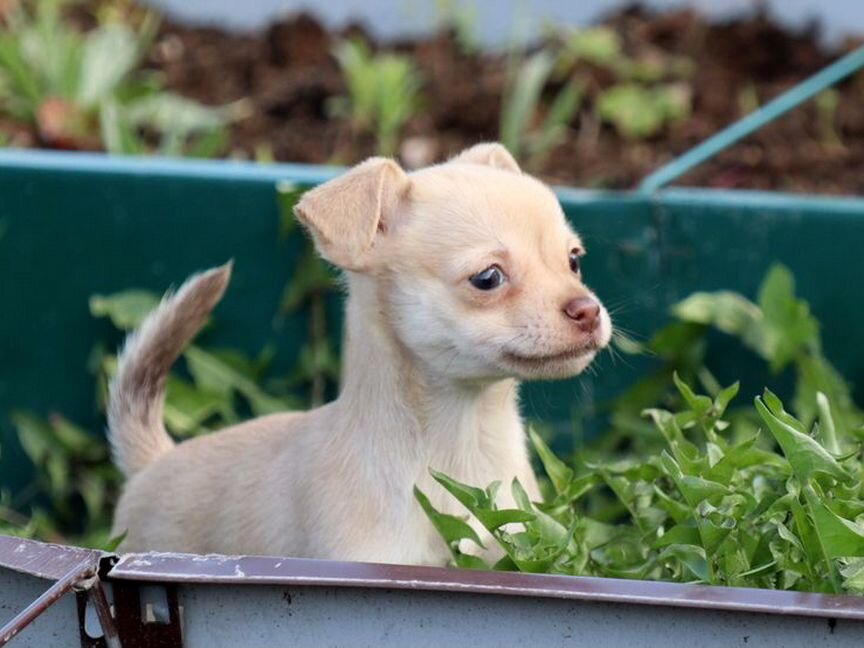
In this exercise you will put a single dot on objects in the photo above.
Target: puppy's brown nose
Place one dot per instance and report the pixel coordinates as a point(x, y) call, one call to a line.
point(585, 312)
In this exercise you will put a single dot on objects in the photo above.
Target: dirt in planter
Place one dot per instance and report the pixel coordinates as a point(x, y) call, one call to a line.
point(285, 75)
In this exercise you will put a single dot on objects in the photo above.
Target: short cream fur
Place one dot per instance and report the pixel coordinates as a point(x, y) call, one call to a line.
point(431, 366)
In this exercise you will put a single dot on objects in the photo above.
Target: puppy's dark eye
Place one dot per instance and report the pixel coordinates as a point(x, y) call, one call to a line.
point(488, 279)
point(575, 262)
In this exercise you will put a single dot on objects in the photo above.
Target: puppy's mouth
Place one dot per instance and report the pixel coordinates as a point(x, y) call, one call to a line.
point(540, 360)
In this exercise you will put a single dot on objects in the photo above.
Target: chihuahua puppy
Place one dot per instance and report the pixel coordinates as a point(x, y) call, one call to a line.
point(463, 278)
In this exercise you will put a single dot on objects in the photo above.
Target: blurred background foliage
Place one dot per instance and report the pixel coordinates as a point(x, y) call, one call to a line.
point(596, 106)
point(75, 485)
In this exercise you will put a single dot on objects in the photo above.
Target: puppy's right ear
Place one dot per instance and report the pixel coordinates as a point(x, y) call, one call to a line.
point(346, 214)
point(489, 154)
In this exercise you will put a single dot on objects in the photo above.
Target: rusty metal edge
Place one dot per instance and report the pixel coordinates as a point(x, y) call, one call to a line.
point(45, 560)
point(106, 619)
point(256, 570)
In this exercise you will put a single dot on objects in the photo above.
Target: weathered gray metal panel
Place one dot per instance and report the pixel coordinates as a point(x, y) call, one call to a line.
point(262, 570)
point(49, 590)
point(217, 616)
point(261, 601)
point(56, 626)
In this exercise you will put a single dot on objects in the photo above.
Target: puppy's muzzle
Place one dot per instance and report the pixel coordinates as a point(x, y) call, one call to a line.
point(585, 313)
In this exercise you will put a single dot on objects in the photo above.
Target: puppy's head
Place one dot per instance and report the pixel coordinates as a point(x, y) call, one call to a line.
point(476, 268)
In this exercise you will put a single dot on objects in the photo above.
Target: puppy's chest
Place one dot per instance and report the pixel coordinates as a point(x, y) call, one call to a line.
point(474, 468)
point(477, 457)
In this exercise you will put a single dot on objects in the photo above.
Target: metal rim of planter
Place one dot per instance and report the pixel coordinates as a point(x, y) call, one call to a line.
point(84, 573)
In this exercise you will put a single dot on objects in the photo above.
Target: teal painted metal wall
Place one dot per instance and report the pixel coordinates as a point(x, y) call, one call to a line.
point(82, 224)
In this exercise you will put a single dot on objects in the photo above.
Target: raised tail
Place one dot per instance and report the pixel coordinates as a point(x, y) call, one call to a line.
point(136, 396)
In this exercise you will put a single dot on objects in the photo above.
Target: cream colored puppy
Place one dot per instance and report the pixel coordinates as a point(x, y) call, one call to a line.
point(463, 278)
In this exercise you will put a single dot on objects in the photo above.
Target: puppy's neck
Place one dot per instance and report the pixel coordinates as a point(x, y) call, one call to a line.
point(397, 395)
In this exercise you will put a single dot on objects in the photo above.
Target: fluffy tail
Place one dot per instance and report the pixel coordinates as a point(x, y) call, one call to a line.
point(137, 393)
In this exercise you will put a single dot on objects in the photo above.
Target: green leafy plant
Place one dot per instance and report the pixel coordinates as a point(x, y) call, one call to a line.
point(73, 472)
point(523, 130)
point(75, 484)
point(781, 330)
point(638, 112)
point(600, 46)
point(383, 92)
point(649, 89)
point(315, 282)
point(701, 492)
point(775, 503)
point(86, 91)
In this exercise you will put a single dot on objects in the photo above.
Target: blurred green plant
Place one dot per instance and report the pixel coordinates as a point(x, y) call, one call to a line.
point(73, 471)
point(86, 91)
point(72, 467)
point(648, 90)
point(827, 103)
point(75, 484)
point(710, 498)
point(748, 99)
point(527, 130)
point(546, 91)
point(600, 46)
point(383, 93)
point(314, 284)
point(461, 19)
point(638, 112)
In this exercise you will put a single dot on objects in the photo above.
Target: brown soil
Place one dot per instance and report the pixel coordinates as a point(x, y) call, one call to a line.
point(286, 74)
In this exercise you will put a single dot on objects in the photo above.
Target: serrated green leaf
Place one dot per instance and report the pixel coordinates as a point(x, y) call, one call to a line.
point(470, 497)
point(679, 534)
point(114, 542)
point(493, 520)
point(453, 529)
point(838, 538)
point(691, 557)
point(727, 311)
point(726, 396)
point(853, 576)
point(559, 473)
point(827, 429)
point(698, 403)
point(467, 561)
point(788, 325)
point(804, 454)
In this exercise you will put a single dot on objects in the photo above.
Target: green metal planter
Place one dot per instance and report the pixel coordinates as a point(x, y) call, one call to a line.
point(76, 224)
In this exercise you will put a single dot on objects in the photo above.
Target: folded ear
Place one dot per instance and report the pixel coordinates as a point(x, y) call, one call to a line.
point(345, 214)
point(491, 154)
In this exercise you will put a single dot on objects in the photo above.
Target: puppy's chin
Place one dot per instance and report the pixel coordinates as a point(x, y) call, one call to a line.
point(549, 368)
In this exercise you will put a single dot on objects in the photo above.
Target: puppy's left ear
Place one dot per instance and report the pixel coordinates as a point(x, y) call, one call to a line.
point(346, 214)
point(490, 154)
